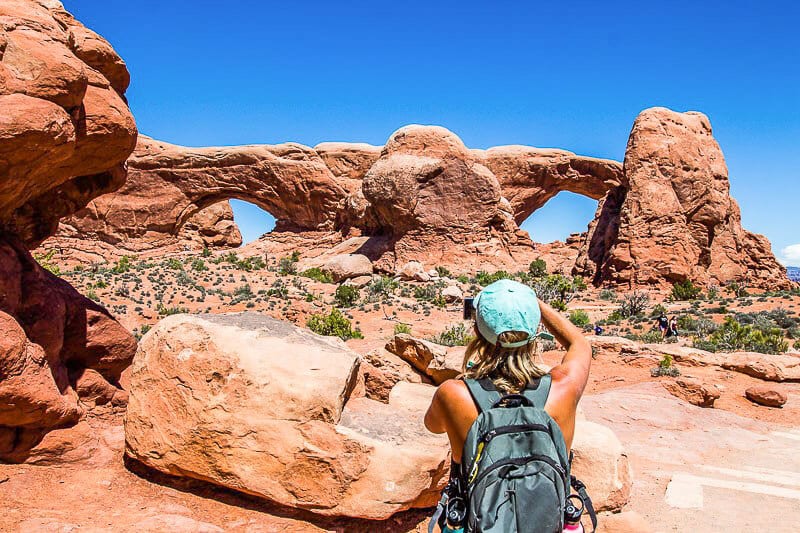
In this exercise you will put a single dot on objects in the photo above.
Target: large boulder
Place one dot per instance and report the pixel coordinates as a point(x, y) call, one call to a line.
point(672, 217)
point(347, 266)
point(215, 397)
point(602, 464)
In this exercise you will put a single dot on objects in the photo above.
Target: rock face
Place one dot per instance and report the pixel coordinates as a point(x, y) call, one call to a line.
point(65, 130)
point(672, 217)
point(65, 133)
point(665, 215)
point(438, 362)
point(212, 227)
point(215, 397)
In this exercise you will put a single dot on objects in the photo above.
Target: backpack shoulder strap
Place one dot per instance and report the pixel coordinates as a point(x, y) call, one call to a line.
point(483, 393)
point(538, 391)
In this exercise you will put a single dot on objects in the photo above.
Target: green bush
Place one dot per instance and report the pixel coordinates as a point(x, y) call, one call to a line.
point(462, 278)
point(199, 265)
point(579, 317)
point(658, 311)
point(537, 268)
point(685, 290)
point(796, 345)
point(123, 265)
point(455, 335)
point(317, 274)
point(334, 324)
point(346, 295)
point(443, 272)
point(45, 261)
point(484, 278)
point(608, 295)
point(287, 266)
point(167, 311)
point(665, 368)
point(402, 328)
point(733, 336)
point(206, 252)
point(380, 288)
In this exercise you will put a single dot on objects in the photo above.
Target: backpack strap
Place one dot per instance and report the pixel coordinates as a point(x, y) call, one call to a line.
point(483, 392)
point(538, 391)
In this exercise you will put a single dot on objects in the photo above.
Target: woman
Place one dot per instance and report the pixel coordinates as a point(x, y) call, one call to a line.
point(504, 349)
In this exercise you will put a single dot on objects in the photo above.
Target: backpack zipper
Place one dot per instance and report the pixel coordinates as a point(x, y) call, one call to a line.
point(521, 461)
point(487, 437)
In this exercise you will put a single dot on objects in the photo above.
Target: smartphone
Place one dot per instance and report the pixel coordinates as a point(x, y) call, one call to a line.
point(469, 311)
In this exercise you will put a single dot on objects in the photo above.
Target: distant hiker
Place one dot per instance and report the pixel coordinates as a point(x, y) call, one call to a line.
point(510, 421)
point(663, 325)
point(598, 330)
point(673, 327)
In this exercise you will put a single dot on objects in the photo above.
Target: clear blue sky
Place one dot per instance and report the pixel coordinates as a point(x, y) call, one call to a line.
point(571, 75)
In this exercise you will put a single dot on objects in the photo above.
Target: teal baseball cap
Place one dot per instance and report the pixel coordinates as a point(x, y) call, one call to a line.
point(507, 305)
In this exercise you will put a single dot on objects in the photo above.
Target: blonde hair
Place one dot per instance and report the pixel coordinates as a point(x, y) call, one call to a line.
point(510, 369)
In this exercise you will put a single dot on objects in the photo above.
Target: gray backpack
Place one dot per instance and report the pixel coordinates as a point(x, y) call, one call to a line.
point(515, 468)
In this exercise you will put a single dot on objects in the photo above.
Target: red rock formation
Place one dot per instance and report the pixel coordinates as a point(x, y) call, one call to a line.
point(672, 218)
point(65, 133)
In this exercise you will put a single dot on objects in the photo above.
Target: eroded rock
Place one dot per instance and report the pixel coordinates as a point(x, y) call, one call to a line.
point(282, 428)
point(766, 395)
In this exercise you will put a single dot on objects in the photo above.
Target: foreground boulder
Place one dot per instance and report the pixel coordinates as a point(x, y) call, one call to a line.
point(263, 407)
point(602, 464)
point(766, 395)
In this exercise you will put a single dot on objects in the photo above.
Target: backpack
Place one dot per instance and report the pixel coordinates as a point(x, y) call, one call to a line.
point(515, 468)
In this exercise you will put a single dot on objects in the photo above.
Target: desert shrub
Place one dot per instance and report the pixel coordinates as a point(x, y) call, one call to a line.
point(462, 278)
point(279, 289)
point(334, 324)
point(92, 295)
point(455, 335)
point(658, 311)
point(402, 328)
point(380, 288)
point(579, 317)
point(242, 293)
point(737, 288)
point(733, 336)
point(713, 292)
point(685, 290)
point(796, 345)
point(206, 252)
point(484, 278)
point(317, 274)
point(608, 295)
point(251, 263)
point(633, 304)
point(287, 266)
point(556, 289)
point(46, 262)
point(665, 368)
point(443, 272)
point(346, 295)
point(198, 265)
point(123, 265)
point(537, 268)
point(167, 311)
point(174, 264)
